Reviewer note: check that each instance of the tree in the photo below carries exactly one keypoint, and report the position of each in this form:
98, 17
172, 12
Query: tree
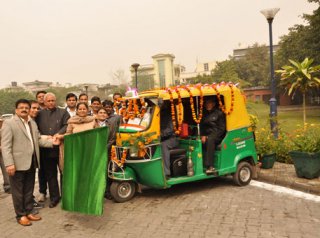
302, 77
302, 40
120, 77
254, 66
61, 93
8, 98
200, 79
228, 71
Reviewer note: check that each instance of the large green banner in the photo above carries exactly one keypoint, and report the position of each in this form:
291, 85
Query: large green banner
84, 174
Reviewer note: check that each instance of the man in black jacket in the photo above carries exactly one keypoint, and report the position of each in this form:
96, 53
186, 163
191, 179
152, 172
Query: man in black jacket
212, 130
51, 121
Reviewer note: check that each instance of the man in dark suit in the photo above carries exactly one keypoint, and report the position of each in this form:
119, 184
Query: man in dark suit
20, 140
51, 121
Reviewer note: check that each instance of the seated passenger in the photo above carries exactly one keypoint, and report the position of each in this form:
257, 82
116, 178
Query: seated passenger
212, 131
168, 138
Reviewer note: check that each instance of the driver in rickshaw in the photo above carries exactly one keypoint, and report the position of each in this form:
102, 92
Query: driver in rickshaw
212, 131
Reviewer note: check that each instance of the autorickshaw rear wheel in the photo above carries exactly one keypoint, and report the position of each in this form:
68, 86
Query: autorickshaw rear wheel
122, 191
243, 175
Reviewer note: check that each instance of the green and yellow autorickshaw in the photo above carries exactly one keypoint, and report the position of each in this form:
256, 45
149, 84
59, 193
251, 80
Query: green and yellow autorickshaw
136, 159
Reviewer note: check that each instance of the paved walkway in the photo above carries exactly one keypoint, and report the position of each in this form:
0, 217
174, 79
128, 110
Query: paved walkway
285, 175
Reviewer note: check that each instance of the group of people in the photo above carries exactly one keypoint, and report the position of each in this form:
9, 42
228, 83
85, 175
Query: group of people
33, 138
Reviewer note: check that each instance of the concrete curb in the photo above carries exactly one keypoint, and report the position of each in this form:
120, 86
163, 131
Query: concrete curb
284, 175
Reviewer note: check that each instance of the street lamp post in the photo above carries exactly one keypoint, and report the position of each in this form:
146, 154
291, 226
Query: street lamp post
270, 14
86, 88
135, 66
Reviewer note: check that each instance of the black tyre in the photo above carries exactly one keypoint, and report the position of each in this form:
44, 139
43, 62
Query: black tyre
243, 175
122, 191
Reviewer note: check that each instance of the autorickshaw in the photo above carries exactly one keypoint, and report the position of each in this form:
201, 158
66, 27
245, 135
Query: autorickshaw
136, 159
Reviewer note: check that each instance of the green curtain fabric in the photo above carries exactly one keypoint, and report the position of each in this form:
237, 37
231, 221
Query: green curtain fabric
84, 174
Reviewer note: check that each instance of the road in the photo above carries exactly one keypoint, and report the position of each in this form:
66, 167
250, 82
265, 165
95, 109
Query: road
212, 208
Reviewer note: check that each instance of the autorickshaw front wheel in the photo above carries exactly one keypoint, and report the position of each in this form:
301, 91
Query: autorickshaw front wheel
122, 191
243, 175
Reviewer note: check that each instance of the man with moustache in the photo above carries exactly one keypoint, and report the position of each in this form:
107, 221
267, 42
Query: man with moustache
20, 140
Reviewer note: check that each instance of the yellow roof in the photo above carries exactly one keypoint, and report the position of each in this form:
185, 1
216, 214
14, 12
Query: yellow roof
234, 101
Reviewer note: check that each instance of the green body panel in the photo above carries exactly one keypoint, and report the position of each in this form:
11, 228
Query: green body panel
126, 174
236, 146
146, 172
149, 172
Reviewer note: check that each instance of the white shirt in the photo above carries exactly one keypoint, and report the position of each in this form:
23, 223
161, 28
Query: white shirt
71, 113
26, 124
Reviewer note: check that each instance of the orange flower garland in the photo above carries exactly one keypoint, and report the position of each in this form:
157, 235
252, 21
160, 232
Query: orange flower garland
143, 108
197, 120
180, 117
221, 106
114, 156
177, 130
135, 109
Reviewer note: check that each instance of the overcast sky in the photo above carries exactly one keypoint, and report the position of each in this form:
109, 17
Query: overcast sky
84, 41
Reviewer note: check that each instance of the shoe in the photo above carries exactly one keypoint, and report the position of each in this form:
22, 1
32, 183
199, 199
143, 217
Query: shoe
34, 217
210, 170
108, 196
53, 204
42, 197
37, 205
24, 221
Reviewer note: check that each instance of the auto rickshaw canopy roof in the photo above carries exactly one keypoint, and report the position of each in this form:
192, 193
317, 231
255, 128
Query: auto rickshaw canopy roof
234, 101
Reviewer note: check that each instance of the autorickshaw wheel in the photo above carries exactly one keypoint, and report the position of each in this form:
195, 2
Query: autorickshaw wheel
122, 191
243, 175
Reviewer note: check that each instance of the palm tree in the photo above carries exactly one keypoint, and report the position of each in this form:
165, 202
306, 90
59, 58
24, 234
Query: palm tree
301, 77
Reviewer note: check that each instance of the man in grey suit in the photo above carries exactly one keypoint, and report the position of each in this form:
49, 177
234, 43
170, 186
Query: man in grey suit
20, 140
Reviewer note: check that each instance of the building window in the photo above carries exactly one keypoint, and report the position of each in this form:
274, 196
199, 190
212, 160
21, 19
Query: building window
206, 67
257, 98
162, 73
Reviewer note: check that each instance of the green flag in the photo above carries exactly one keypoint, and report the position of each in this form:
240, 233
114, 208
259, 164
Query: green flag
84, 174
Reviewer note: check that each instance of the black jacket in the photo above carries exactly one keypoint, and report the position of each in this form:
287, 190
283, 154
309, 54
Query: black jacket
213, 123
51, 122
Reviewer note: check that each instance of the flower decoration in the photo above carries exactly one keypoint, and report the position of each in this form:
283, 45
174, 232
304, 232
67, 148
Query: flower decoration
196, 120
221, 106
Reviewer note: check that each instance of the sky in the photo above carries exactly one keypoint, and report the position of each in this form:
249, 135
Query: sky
86, 41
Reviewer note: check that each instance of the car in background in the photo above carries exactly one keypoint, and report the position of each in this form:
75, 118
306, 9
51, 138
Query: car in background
6, 116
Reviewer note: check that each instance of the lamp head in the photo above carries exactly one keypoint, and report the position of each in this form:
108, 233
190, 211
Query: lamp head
135, 66
270, 13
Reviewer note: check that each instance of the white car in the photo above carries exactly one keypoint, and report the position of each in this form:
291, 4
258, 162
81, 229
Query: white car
6, 116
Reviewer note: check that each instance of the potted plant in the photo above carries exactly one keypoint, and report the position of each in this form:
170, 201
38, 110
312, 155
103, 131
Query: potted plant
266, 147
306, 153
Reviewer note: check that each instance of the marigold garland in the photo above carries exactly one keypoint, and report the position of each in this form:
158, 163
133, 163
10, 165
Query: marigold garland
194, 116
114, 158
143, 109
221, 106
177, 130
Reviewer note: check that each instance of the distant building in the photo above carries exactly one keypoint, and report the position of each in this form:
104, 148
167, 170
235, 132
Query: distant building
162, 71
240, 53
263, 94
203, 68
36, 85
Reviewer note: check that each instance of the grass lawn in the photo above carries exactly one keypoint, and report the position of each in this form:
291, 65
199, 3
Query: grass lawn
288, 117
